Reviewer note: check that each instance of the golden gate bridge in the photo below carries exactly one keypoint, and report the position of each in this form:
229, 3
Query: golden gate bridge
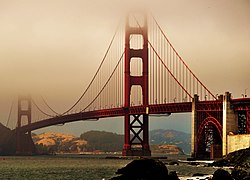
140, 74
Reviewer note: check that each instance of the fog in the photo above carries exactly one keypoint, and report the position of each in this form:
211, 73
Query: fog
53, 47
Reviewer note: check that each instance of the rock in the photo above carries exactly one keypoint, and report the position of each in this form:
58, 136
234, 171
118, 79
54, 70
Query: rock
173, 176
220, 163
146, 169
241, 173
7, 141
221, 174
238, 158
173, 163
194, 163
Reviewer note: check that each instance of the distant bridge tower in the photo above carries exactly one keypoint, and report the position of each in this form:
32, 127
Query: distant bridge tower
24, 143
136, 126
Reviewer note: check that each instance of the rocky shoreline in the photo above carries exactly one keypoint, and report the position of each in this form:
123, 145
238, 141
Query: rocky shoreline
148, 168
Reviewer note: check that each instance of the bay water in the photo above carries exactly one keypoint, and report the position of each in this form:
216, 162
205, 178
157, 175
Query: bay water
88, 167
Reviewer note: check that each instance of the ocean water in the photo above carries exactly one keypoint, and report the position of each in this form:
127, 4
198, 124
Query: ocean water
74, 167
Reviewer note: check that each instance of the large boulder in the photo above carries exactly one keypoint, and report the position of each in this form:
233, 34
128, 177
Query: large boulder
241, 173
238, 158
241, 162
221, 174
143, 169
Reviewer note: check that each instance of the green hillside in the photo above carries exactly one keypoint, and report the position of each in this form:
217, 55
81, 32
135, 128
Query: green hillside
178, 138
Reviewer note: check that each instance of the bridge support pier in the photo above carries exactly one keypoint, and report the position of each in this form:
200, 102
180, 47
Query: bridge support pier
24, 143
206, 138
213, 123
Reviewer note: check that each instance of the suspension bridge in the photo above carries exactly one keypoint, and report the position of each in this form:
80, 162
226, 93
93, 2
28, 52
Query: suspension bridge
142, 74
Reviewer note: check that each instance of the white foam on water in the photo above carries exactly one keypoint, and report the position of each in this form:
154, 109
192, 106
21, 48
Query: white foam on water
197, 177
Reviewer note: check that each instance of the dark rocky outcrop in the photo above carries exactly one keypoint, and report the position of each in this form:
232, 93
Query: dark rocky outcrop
7, 141
241, 162
174, 162
238, 158
146, 169
221, 174
241, 173
173, 176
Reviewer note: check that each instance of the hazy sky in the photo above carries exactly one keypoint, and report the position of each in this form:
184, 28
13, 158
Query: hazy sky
53, 47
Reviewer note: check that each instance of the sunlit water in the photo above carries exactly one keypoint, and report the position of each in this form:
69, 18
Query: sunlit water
74, 167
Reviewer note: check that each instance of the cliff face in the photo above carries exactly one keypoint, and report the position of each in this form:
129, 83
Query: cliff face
5, 132
7, 141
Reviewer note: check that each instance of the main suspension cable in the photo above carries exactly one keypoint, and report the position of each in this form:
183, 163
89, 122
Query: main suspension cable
91, 82
11, 107
164, 35
41, 109
49, 106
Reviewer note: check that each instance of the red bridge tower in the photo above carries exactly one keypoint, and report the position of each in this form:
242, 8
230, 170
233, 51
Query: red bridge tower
24, 143
136, 126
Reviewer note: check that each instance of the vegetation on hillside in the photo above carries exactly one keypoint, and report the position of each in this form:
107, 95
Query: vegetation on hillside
104, 141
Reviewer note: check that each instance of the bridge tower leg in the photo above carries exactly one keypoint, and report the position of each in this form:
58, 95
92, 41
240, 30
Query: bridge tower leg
136, 126
24, 143
194, 127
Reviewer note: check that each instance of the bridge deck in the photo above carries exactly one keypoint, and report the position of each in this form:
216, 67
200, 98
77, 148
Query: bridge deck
153, 109
115, 112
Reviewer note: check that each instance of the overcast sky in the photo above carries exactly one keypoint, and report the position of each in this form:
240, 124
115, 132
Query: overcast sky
54, 47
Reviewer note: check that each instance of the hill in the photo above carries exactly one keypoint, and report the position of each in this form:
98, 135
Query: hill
91, 141
171, 137
162, 141
51, 142
104, 141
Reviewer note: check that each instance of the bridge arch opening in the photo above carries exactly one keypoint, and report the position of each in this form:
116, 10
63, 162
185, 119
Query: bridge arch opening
209, 138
